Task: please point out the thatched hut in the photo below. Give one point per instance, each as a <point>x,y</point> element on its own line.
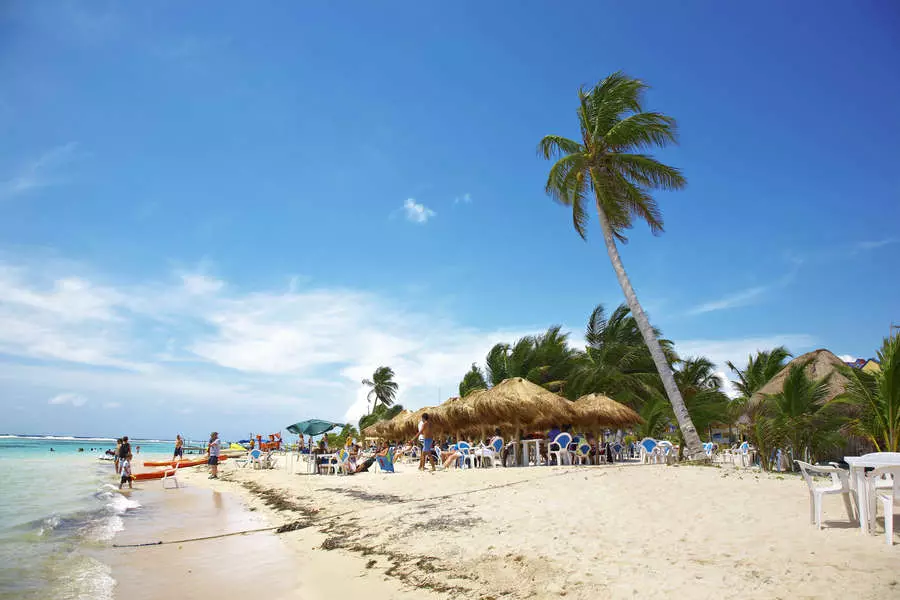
<point>819,363</point>
<point>388,429</point>
<point>520,403</point>
<point>599,411</point>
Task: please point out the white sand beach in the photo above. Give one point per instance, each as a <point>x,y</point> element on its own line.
<point>618,531</point>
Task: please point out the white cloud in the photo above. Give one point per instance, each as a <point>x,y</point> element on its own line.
<point>40,172</point>
<point>68,398</point>
<point>750,295</point>
<point>416,212</point>
<point>464,199</point>
<point>197,285</point>
<point>741,298</point>
<point>847,358</point>
<point>292,353</point>
<point>112,404</point>
<point>875,244</point>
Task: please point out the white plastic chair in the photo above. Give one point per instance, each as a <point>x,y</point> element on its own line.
<point>582,453</point>
<point>840,484</point>
<point>468,456</point>
<point>888,494</point>
<point>560,449</point>
<point>744,454</point>
<point>173,477</point>
<point>492,453</point>
<point>647,447</point>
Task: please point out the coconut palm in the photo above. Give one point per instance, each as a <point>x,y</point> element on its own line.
<point>384,388</point>
<point>801,416</point>
<point>608,162</point>
<point>545,359</point>
<point>616,360</point>
<point>699,386</point>
<point>759,370</point>
<point>877,399</point>
<point>471,381</point>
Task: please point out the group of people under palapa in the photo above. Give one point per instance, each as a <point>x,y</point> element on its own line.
<point>424,443</point>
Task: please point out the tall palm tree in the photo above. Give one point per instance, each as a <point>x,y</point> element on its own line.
<point>609,164</point>
<point>384,388</point>
<point>877,397</point>
<point>471,381</point>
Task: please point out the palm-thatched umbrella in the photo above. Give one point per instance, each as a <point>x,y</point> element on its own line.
<point>388,429</point>
<point>456,414</point>
<point>519,402</point>
<point>597,410</point>
<point>818,364</point>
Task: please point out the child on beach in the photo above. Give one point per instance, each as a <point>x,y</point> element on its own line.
<point>126,472</point>
<point>213,450</point>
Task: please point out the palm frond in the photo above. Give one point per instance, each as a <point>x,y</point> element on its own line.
<point>552,146</point>
<point>647,172</point>
<point>642,130</point>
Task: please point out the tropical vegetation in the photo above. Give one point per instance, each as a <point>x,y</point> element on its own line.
<point>876,398</point>
<point>610,163</point>
<point>382,386</point>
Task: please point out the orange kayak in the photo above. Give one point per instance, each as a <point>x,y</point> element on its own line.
<point>153,474</point>
<point>180,463</point>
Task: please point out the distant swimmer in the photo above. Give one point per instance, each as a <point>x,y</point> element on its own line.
<point>52,450</point>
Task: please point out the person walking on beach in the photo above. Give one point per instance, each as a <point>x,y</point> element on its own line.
<point>213,450</point>
<point>427,443</point>
<point>179,448</point>
<point>126,472</point>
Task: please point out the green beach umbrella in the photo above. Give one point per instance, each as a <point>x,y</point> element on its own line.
<point>313,427</point>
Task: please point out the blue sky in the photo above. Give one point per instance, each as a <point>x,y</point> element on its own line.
<point>214,216</point>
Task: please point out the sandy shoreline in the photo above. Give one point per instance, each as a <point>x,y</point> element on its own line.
<point>615,531</point>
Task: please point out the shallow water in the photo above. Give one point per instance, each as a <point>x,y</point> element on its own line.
<point>57,509</point>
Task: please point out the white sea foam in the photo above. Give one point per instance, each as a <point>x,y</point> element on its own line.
<point>91,580</point>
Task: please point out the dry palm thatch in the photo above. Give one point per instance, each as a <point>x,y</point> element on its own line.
<point>597,410</point>
<point>457,414</point>
<point>817,364</point>
<point>409,425</point>
<point>388,429</point>
<point>520,403</point>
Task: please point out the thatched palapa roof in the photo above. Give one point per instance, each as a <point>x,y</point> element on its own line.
<point>819,363</point>
<point>598,410</point>
<point>517,401</point>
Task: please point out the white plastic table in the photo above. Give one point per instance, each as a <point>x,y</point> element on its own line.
<point>526,454</point>
<point>858,465</point>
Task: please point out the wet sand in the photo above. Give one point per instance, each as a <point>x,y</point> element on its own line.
<point>618,531</point>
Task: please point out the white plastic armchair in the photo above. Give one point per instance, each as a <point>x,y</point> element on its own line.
<point>888,495</point>
<point>492,453</point>
<point>560,449</point>
<point>840,484</point>
<point>647,447</point>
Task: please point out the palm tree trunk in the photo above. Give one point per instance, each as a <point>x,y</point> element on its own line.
<point>695,448</point>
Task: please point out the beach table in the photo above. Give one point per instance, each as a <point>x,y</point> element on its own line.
<point>526,447</point>
<point>858,466</point>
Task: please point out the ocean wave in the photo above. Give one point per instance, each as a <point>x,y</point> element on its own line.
<point>90,580</point>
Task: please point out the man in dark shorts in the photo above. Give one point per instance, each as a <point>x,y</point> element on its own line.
<point>213,449</point>
<point>179,448</point>
<point>427,444</point>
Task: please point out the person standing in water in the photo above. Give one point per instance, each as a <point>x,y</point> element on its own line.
<point>213,450</point>
<point>179,448</point>
<point>126,472</point>
<point>116,455</point>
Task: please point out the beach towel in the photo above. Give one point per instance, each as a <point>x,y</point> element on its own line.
<point>386,463</point>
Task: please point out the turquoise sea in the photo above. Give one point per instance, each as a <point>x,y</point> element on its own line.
<point>57,511</point>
